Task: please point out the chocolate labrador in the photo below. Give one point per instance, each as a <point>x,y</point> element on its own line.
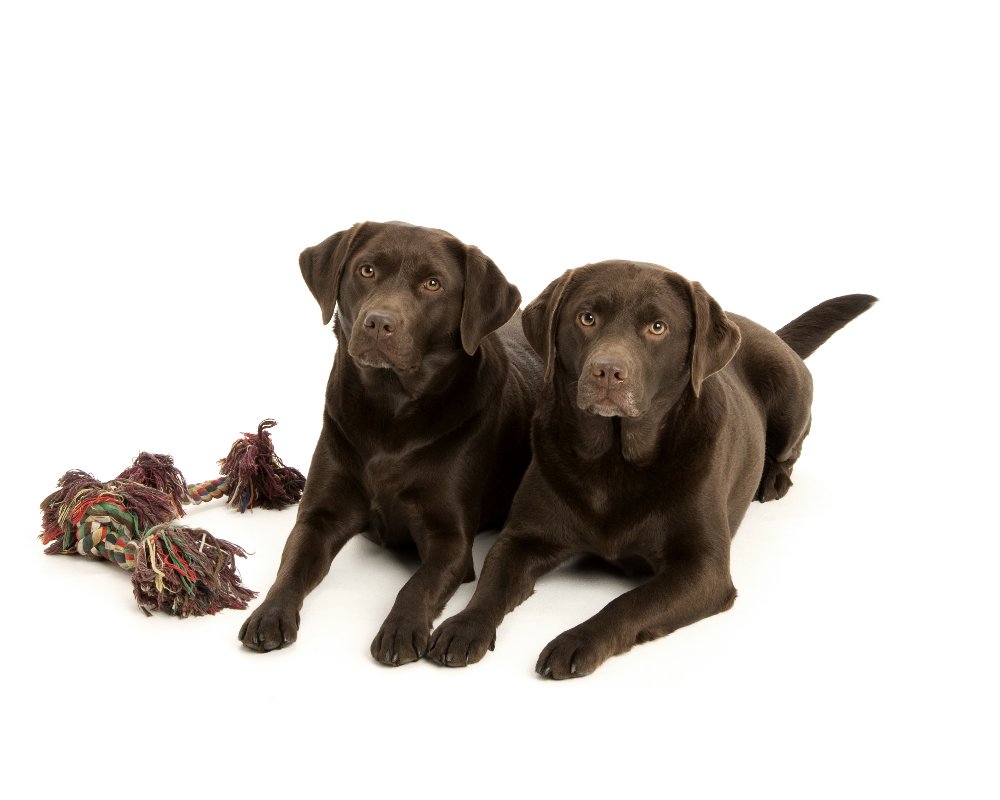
<point>426,427</point>
<point>661,418</point>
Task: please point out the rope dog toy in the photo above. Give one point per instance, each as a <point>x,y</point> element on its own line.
<point>130,520</point>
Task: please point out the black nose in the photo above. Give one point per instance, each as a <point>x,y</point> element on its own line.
<point>380,321</point>
<point>609,371</point>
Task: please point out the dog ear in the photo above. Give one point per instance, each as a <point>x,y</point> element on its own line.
<point>715,338</point>
<point>540,318</point>
<point>323,265</point>
<point>489,301</point>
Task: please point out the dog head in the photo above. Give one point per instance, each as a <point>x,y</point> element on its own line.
<point>628,335</point>
<point>404,294</point>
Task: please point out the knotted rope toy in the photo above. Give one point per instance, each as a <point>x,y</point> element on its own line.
<point>130,520</point>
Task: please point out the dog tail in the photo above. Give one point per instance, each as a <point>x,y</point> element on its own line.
<point>807,332</point>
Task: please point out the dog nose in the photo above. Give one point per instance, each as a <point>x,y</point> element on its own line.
<point>609,371</point>
<point>380,321</point>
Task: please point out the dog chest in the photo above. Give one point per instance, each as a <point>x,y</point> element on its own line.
<point>633,550</point>
<point>388,480</point>
<point>404,495</point>
<point>635,546</point>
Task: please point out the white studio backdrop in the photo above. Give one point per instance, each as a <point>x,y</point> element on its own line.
<point>162,168</point>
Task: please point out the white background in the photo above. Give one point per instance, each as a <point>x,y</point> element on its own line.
<point>161,171</point>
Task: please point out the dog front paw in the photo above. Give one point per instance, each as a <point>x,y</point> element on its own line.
<point>275,624</point>
<point>400,641</point>
<point>571,655</point>
<point>461,640</point>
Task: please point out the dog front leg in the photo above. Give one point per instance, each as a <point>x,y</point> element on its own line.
<point>446,560</point>
<point>332,511</point>
<point>685,590</point>
<point>513,565</point>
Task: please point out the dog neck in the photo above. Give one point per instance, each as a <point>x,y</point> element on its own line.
<point>434,376</point>
<point>637,438</point>
<point>443,381</point>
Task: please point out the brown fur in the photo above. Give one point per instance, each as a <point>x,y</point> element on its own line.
<point>649,445</point>
<point>429,377</point>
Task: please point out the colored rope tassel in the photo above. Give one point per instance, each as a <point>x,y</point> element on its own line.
<point>252,475</point>
<point>187,571</point>
<point>158,472</point>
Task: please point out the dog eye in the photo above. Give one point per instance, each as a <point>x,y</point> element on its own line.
<point>432,285</point>
<point>587,319</point>
<point>658,328</point>
<point>367,271</point>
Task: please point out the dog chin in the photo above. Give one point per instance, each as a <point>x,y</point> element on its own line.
<point>372,359</point>
<point>609,409</point>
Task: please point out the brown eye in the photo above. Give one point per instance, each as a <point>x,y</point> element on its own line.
<point>587,319</point>
<point>432,285</point>
<point>367,271</point>
<point>658,328</point>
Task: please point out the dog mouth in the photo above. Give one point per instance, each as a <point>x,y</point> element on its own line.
<point>608,404</point>
<point>375,357</point>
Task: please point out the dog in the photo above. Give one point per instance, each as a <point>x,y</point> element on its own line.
<point>426,427</point>
<point>661,419</point>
